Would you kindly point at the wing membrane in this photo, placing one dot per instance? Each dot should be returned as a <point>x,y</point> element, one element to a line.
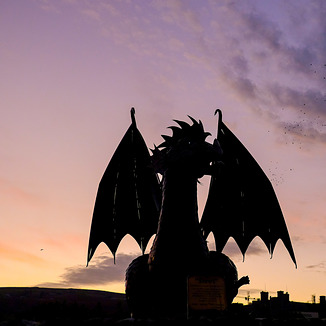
<point>128,197</point>
<point>241,202</point>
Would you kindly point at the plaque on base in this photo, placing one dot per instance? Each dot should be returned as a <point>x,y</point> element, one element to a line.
<point>206,293</point>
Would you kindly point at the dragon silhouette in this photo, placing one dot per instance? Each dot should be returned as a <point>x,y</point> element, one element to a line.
<point>131,199</point>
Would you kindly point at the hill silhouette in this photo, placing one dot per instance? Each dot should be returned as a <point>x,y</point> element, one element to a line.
<point>34,306</point>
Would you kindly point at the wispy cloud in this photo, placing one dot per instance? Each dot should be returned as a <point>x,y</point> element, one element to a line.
<point>243,56</point>
<point>48,6</point>
<point>19,255</point>
<point>92,14</point>
<point>247,55</point>
<point>319,267</point>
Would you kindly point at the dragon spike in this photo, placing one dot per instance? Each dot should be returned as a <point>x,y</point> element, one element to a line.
<point>167,139</point>
<point>193,120</point>
<point>182,124</point>
<point>197,124</point>
<point>201,127</point>
<point>155,150</point>
<point>176,131</point>
<point>164,144</point>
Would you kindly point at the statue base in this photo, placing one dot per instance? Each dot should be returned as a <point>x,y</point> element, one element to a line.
<point>172,293</point>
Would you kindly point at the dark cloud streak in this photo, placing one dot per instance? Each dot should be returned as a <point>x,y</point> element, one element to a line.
<point>320,267</point>
<point>295,58</point>
<point>100,271</point>
<point>103,271</point>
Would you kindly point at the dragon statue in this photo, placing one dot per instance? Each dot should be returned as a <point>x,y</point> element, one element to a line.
<point>131,199</point>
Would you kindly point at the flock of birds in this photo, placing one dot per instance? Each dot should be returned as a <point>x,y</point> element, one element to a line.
<point>306,126</point>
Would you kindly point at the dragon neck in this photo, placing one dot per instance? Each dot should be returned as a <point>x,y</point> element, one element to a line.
<point>178,238</point>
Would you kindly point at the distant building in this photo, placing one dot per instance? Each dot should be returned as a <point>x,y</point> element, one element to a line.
<point>281,307</point>
<point>264,296</point>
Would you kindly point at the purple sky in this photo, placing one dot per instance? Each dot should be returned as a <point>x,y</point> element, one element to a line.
<point>70,72</point>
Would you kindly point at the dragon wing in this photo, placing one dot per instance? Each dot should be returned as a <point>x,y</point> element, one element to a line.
<point>241,202</point>
<point>128,197</point>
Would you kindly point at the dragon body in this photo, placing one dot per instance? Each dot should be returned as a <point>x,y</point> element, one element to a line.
<point>132,200</point>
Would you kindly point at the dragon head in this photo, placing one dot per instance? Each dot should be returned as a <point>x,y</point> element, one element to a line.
<point>186,150</point>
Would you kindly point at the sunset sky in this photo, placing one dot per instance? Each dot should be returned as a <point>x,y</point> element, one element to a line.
<point>72,69</point>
